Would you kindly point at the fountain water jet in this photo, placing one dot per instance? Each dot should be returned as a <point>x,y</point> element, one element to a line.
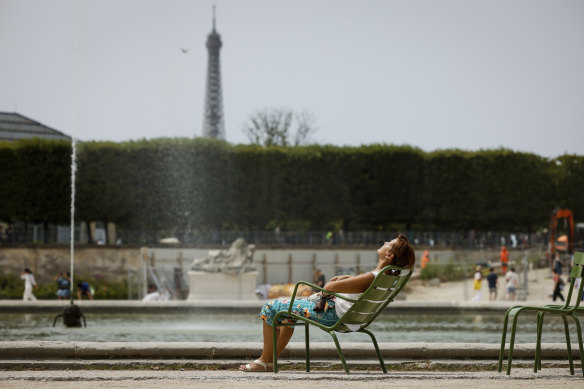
<point>72,315</point>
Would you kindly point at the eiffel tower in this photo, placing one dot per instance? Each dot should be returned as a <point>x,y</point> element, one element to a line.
<point>213,126</point>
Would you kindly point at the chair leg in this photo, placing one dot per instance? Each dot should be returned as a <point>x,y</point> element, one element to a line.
<point>275,343</point>
<point>579,332</point>
<point>376,350</point>
<point>568,344</point>
<point>536,342</point>
<point>512,343</point>
<point>537,363</point>
<point>503,338</point>
<point>339,351</point>
<point>307,340</point>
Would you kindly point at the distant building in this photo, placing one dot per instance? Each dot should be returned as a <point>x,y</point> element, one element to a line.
<point>213,125</point>
<point>14,126</point>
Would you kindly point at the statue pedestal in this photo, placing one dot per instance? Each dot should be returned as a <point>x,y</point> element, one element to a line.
<point>206,286</point>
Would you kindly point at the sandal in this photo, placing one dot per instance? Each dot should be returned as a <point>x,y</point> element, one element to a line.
<point>264,366</point>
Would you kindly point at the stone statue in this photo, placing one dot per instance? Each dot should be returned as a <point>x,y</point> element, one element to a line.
<point>238,259</point>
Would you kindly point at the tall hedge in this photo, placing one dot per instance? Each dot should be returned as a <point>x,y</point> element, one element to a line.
<point>35,181</point>
<point>568,180</point>
<point>179,185</point>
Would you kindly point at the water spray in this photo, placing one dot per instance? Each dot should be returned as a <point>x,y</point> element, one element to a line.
<point>72,314</point>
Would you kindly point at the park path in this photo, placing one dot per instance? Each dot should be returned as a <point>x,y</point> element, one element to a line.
<point>539,285</point>
<point>521,378</point>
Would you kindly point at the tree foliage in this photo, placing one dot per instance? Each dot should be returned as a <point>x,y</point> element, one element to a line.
<point>180,185</point>
<point>280,127</point>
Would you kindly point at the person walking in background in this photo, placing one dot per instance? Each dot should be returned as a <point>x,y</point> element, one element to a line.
<point>504,259</point>
<point>558,264</point>
<point>558,286</point>
<point>478,277</point>
<point>492,280</point>
<point>29,283</point>
<point>425,260</point>
<point>512,283</point>
<point>577,280</point>
<point>329,238</point>
<point>64,283</point>
<point>318,278</point>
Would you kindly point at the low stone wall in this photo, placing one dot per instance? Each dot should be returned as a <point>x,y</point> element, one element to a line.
<point>274,265</point>
<point>247,350</point>
<point>110,263</point>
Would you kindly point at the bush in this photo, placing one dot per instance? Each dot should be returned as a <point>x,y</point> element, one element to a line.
<point>103,289</point>
<point>12,287</point>
<point>449,272</point>
<point>110,290</point>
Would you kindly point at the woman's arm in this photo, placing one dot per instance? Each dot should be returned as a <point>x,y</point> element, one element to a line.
<point>338,278</point>
<point>350,284</point>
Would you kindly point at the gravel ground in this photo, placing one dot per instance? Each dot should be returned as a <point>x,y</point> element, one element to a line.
<point>520,378</point>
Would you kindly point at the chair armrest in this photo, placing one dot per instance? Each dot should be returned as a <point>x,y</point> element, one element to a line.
<point>317,288</point>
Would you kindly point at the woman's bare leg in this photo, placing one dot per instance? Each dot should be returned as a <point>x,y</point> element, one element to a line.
<point>283,333</point>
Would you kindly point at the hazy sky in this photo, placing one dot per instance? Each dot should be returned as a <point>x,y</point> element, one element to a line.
<point>433,74</point>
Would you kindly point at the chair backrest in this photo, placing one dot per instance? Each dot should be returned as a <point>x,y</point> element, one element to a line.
<point>576,279</point>
<point>381,292</point>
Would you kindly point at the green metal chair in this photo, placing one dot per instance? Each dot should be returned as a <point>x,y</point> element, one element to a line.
<point>578,263</point>
<point>380,293</point>
<point>567,310</point>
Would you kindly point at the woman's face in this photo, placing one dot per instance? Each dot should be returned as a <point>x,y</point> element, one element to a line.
<point>385,250</point>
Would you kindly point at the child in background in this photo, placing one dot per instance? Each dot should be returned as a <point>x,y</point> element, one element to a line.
<point>492,280</point>
<point>477,285</point>
<point>83,290</point>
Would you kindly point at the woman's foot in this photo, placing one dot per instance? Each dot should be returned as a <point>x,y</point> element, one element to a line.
<point>257,365</point>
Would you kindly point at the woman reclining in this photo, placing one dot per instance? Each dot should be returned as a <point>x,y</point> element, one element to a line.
<point>398,252</point>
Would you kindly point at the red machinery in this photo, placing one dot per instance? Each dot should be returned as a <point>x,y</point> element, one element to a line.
<point>562,245</point>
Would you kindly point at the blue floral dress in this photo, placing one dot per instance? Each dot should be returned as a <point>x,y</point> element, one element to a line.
<point>302,306</point>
